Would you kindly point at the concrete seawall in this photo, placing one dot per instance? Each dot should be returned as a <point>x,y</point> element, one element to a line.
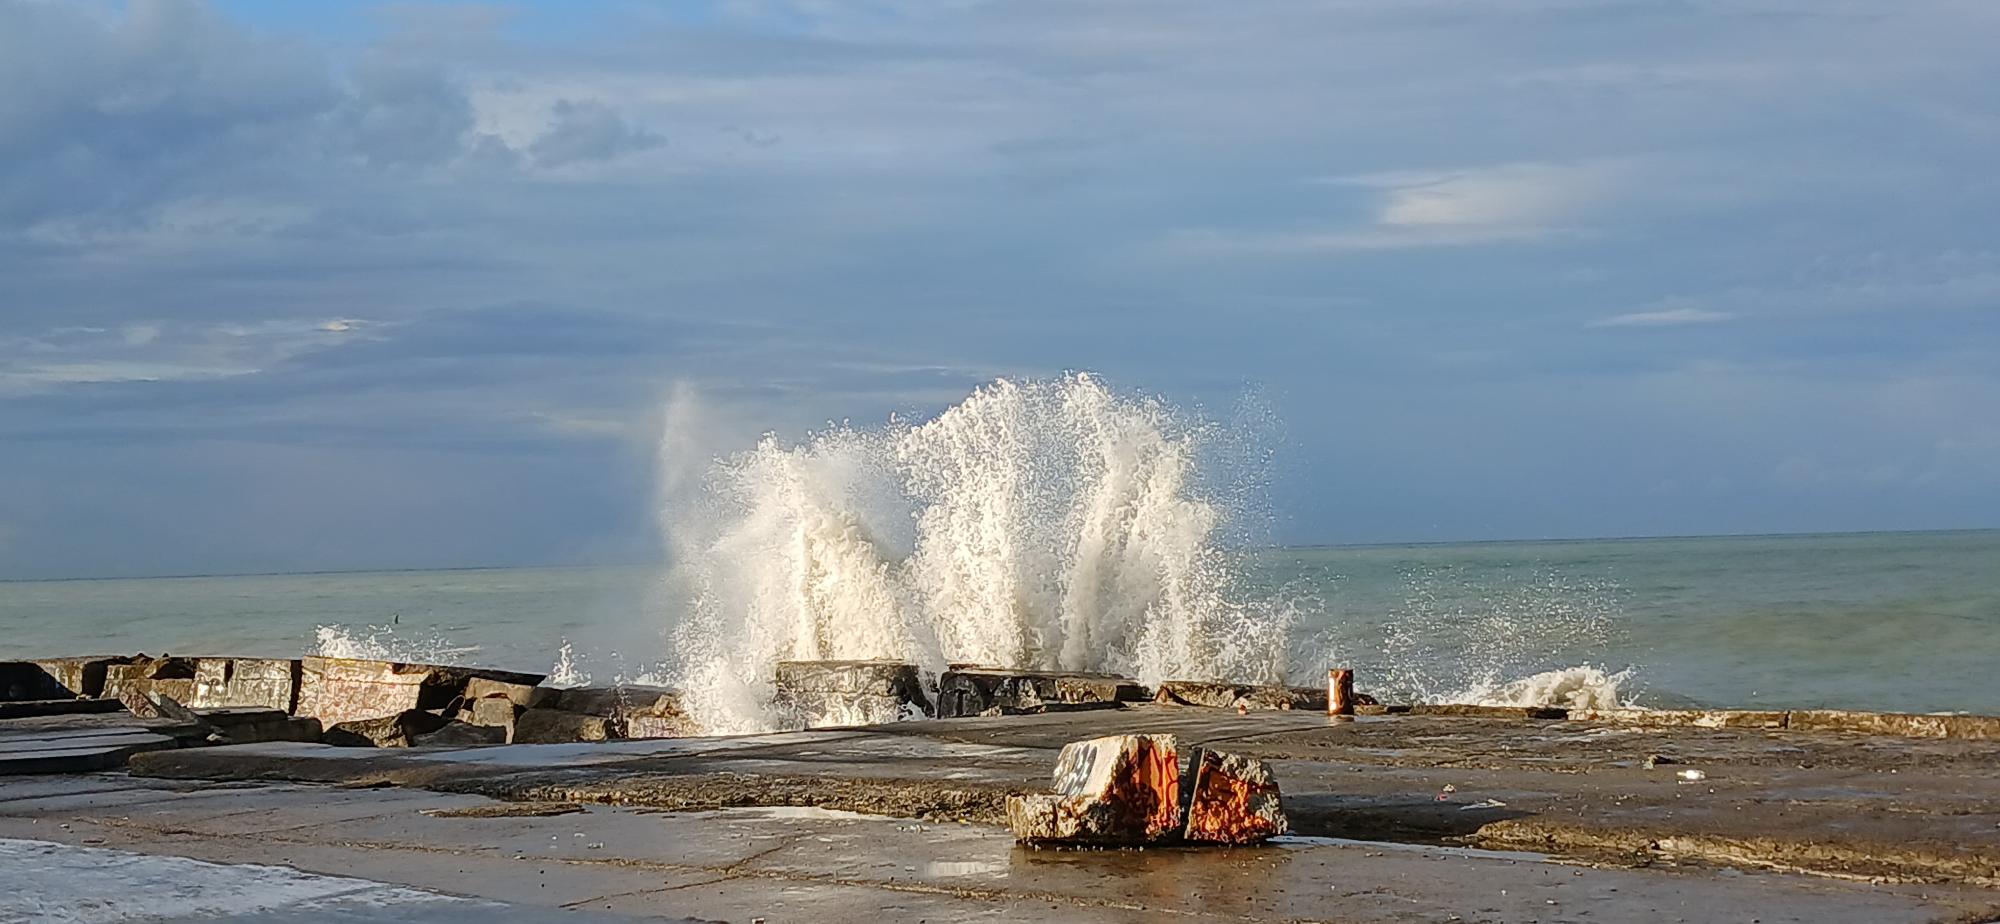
<point>1833,815</point>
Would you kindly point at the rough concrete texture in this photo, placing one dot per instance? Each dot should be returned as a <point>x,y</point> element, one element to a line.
<point>968,691</point>
<point>337,690</point>
<point>634,711</point>
<point>144,676</point>
<point>807,865</point>
<point>1836,721</point>
<point>554,726</point>
<point>824,694</point>
<point>272,683</point>
<point>1232,799</point>
<point>1117,790</point>
<point>390,731</point>
<point>79,676</point>
<point>1893,807</point>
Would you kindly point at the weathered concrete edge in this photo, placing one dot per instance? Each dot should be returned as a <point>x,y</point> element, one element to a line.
<point>1874,860</point>
<point>1839,721</point>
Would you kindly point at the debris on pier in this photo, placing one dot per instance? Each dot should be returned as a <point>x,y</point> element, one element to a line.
<point>1118,790</point>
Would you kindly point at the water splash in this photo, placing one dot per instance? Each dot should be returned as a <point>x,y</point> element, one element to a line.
<point>1581,687</point>
<point>567,671</point>
<point>388,643</point>
<point>1044,524</point>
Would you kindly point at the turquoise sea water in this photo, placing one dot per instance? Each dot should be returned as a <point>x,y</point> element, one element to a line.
<point>1905,621</point>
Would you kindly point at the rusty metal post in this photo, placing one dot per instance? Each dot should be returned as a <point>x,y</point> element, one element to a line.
<point>1339,691</point>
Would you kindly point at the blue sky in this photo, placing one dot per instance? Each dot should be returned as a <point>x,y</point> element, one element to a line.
<point>294,286</point>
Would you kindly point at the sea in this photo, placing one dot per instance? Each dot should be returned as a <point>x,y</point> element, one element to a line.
<point>1887,621</point>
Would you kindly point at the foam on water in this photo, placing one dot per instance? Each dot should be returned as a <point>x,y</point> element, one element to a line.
<point>1043,524</point>
<point>1581,687</point>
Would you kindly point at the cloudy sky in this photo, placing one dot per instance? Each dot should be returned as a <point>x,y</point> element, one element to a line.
<point>300,286</point>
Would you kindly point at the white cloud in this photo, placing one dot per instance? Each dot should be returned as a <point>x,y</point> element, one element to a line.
<point>1534,195</point>
<point>1672,317</point>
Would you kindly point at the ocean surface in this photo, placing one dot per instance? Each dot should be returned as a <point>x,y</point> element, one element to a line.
<point>1894,621</point>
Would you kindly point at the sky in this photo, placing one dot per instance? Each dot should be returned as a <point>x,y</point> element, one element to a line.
<point>330,286</point>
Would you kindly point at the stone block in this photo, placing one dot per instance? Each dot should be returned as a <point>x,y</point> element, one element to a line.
<point>638,711</point>
<point>143,676</point>
<point>491,712</point>
<point>653,726</point>
<point>1119,790</point>
<point>557,726</point>
<point>968,691</point>
<point>23,681</point>
<point>1224,695</point>
<point>460,734</point>
<point>221,683</point>
<point>81,676</point>
<point>819,694</point>
<point>389,731</point>
<point>523,695</point>
<point>1232,800</point>
<point>340,690</point>
<point>617,702</point>
<point>251,724</point>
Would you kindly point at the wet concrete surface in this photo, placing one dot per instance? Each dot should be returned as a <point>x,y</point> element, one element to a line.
<point>1901,808</point>
<point>803,864</point>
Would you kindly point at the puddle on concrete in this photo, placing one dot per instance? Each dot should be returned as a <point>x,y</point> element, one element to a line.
<point>797,812</point>
<point>1303,840</point>
<point>964,867</point>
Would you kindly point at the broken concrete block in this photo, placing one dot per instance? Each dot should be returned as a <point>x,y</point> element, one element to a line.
<point>819,694</point>
<point>638,711</point>
<point>1232,799</point>
<point>337,690</point>
<point>523,695</point>
<point>1115,790</point>
<point>221,683</point>
<point>80,676</point>
<point>556,726</point>
<point>250,724</point>
<point>491,712</point>
<point>1242,696</point>
<point>618,701</point>
<point>22,681</point>
<point>460,734</point>
<point>389,731</point>
<point>167,676</point>
<point>968,691</point>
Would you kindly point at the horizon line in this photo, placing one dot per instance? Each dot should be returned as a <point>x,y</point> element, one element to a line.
<point>1301,546</point>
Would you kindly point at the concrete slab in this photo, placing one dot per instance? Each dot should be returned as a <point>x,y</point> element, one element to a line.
<point>48,881</point>
<point>787,864</point>
<point>1896,807</point>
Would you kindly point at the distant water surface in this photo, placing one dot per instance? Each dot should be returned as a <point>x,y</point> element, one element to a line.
<point>1904,621</point>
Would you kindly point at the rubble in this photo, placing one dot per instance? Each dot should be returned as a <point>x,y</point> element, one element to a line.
<point>1118,790</point>
<point>967,690</point>
<point>1231,799</point>
<point>820,694</point>
<point>557,726</point>
<point>80,676</point>
<point>1241,696</point>
<point>142,676</point>
<point>270,683</point>
<point>340,690</point>
<point>390,731</point>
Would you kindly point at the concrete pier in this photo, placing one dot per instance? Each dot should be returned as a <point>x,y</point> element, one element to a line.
<point>1428,813</point>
